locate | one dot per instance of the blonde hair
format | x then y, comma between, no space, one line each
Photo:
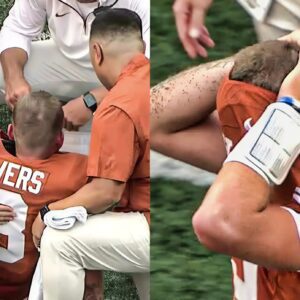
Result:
38,119
265,64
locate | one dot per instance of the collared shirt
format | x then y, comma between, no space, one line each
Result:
68,26
119,148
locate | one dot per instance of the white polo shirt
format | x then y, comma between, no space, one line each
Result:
69,22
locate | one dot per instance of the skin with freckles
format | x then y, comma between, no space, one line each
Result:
236,216
182,116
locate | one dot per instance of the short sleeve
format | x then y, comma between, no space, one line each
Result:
114,147
25,22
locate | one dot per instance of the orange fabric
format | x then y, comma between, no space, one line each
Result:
64,174
119,148
236,102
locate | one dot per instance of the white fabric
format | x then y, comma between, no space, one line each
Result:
258,9
61,220
76,142
36,288
282,14
65,218
27,18
111,241
49,70
295,216
272,145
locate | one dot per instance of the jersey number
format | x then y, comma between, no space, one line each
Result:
13,229
244,280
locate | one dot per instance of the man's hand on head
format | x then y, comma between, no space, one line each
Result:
6,214
292,38
190,22
15,89
76,114
290,85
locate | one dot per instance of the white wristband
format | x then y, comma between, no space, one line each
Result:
272,145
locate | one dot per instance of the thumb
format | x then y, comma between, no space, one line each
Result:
196,22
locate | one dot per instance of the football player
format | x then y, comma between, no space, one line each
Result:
250,223
35,175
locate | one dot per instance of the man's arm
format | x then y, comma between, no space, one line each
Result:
13,61
97,196
25,22
236,219
180,122
77,114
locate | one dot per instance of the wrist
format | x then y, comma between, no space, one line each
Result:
99,94
43,211
90,101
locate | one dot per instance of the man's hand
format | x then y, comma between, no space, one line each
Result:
6,214
292,38
93,285
291,83
13,61
15,89
76,114
38,227
190,19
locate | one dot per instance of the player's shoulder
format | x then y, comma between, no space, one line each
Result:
69,156
66,160
239,98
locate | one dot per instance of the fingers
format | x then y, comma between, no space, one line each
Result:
190,19
6,214
292,38
36,241
70,126
12,95
182,12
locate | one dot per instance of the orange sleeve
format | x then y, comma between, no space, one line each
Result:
114,147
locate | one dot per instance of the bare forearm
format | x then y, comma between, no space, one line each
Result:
188,97
99,93
95,200
13,61
245,224
181,125
201,145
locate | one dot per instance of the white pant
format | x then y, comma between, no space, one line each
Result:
49,70
279,21
110,241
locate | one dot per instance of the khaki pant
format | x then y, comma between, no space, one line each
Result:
49,70
111,241
280,21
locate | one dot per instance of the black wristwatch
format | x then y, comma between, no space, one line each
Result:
90,101
43,211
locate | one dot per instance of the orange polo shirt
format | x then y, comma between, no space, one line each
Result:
119,148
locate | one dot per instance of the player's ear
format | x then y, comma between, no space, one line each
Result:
10,132
59,140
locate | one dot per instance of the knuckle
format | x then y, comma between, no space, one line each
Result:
176,7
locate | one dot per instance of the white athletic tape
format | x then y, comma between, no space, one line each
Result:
272,144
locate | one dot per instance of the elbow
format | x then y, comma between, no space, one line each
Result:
219,229
157,139
103,198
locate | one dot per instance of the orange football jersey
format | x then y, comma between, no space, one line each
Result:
239,106
27,186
